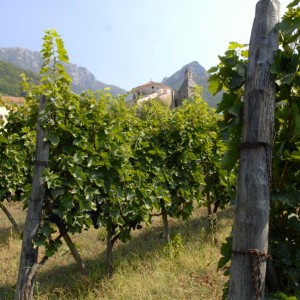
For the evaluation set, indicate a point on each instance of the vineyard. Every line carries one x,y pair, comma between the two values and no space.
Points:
144,268
120,188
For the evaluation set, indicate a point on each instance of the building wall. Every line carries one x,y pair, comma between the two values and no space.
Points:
3,114
9,99
149,88
152,90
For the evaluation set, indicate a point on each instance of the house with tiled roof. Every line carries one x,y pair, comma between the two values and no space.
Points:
153,90
9,99
15,100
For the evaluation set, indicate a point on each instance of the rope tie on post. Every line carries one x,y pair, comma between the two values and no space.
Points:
40,163
256,257
252,145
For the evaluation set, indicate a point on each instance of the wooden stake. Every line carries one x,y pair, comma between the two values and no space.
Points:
251,223
29,253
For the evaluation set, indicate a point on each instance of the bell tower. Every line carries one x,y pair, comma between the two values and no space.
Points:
187,87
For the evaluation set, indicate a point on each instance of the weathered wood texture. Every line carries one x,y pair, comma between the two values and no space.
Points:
80,264
251,224
165,222
29,253
109,252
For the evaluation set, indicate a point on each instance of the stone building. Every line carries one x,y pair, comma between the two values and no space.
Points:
153,90
186,89
9,99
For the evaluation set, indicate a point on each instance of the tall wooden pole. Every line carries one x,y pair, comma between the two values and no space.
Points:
29,253
251,223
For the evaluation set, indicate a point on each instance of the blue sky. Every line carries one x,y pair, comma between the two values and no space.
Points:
129,42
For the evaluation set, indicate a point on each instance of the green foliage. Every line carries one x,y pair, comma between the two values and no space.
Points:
178,150
173,248
90,179
17,140
109,165
284,222
225,252
282,296
230,75
10,80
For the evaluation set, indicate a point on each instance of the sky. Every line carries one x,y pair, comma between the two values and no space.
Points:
130,42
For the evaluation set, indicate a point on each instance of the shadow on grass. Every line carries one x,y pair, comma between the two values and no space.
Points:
7,233
7,292
7,229
66,283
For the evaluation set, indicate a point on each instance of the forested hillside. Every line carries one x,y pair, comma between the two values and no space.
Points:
10,80
82,78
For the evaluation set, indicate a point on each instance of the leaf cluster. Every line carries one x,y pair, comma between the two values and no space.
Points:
17,140
180,151
230,75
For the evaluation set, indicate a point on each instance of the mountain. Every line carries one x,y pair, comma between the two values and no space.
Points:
83,79
10,83
200,77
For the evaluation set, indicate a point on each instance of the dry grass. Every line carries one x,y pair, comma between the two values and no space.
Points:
144,267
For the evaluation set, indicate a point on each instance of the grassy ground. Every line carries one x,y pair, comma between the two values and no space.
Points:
145,268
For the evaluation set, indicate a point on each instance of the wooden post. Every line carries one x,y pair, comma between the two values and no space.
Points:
251,223
109,252
165,222
29,253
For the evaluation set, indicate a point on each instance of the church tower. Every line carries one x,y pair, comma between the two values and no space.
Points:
186,90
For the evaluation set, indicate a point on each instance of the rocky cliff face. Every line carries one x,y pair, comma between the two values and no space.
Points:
22,58
83,79
200,77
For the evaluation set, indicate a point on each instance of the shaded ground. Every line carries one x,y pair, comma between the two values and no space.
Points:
190,265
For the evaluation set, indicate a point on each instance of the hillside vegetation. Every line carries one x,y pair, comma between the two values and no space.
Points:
10,80
82,78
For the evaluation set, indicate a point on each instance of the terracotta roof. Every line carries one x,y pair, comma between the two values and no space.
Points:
15,100
152,83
